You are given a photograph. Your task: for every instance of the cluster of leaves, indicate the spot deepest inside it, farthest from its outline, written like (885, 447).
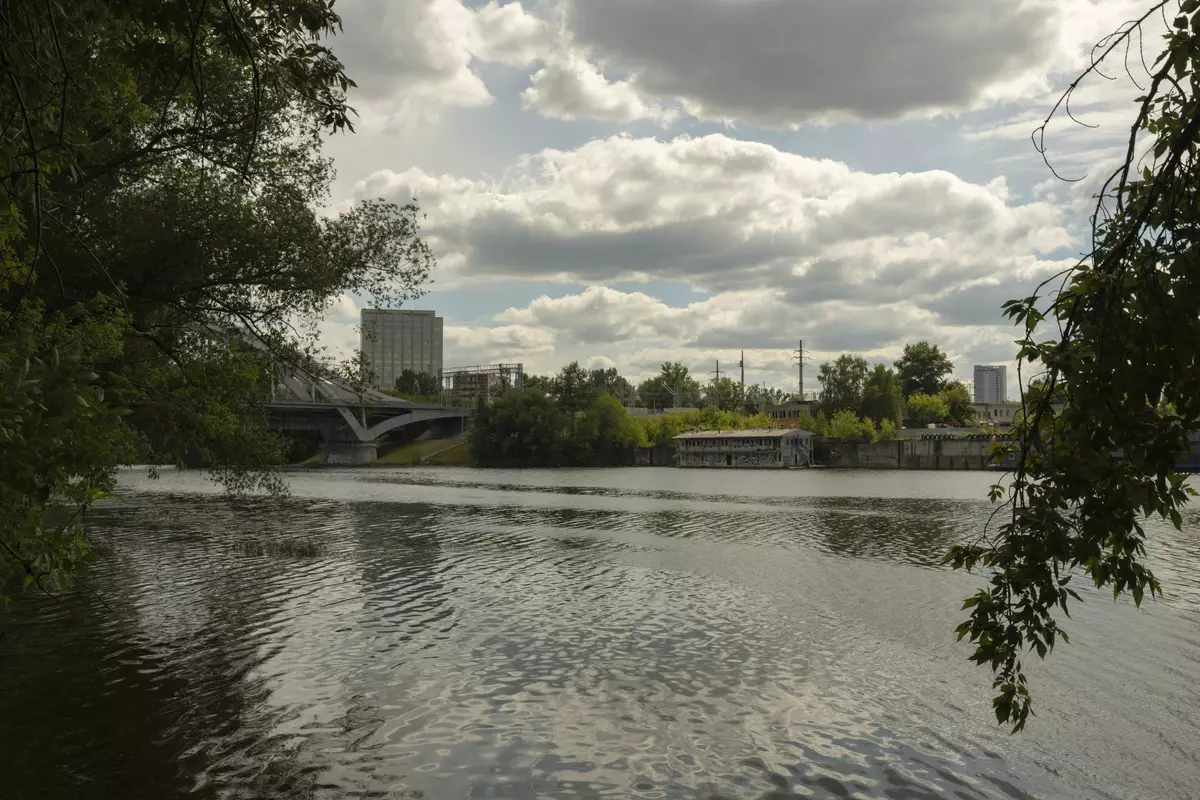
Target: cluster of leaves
(952, 404)
(845, 426)
(533, 429)
(673, 387)
(417, 386)
(161, 169)
(850, 383)
(1101, 431)
(924, 409)
(923, 368)
(538, 428)
(575, 386)
(661, 429)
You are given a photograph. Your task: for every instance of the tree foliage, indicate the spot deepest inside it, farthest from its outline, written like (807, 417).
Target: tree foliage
(1126, 337)
(842, 382)
(417, 385)
(815, 424)
(846, 426)
(606, 432)
(611, 382)
(520, 428)
(161, 170)
(759, 397)
(926, 409)
(572, 387)
(881, 395)
(724, 393)
(960, 408)
(923, 368)
(542, 383)
(673, 387)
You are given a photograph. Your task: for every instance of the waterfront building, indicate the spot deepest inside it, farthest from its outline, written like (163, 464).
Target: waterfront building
(786, 414)
(752, 448)
(395, 340)
(1002, 415)
(991, 384)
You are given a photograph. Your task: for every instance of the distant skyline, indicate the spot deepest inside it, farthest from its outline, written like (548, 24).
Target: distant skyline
(634, 181)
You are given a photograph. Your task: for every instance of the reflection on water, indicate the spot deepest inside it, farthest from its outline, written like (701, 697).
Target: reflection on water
(583, 633)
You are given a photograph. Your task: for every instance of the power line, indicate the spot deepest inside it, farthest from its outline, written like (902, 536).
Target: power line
(799, 359)
(717, 373)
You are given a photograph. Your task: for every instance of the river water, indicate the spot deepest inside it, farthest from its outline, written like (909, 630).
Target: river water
(651, 633)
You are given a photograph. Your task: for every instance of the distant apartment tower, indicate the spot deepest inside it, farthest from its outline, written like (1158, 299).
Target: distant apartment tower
(395, 340)
(991, 384)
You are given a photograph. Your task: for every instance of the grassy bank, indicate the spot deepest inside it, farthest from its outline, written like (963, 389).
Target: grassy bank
(434, 451)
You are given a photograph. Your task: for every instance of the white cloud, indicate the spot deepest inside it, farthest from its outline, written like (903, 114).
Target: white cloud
(728, 215)
(599, 362)
(781, 63)
(405, 56)
(603, 327)
(510, 35)
(476, 344)
(570, 87)
(780, 246)
(778, 63)
(413, 58)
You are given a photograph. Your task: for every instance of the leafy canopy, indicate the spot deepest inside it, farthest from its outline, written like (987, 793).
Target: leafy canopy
(881, 395)
(842, 382)
(162, 173)
(922, 368)
(925, 409)
(1095, 445)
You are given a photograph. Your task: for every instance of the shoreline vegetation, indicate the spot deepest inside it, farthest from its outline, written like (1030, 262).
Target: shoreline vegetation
(577, 419)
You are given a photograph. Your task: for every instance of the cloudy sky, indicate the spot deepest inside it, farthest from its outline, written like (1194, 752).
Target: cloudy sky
(624, 182)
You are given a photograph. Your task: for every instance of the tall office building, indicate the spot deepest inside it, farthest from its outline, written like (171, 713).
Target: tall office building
(991, 384)
(395, 340)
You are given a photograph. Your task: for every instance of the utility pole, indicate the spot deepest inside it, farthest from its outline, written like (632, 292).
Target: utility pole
(798, 354)
(742, 364)
(717, 372)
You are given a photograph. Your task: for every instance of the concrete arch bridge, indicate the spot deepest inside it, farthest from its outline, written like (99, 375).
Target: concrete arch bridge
(351, 423)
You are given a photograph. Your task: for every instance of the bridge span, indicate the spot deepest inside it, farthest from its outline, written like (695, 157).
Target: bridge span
(350, 422)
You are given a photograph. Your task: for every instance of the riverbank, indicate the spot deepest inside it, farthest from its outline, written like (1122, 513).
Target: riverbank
(454, 451)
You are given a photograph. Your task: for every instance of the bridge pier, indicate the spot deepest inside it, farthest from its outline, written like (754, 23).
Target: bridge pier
(348, 453)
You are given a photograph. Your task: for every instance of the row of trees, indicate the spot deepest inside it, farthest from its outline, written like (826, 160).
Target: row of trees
(878, 393)
(673, 387)
(533, 427)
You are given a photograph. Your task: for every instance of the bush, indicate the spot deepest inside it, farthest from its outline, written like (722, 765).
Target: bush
(925, 409)
(847, 427)
(887, 429)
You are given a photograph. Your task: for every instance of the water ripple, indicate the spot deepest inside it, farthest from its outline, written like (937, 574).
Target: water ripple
(572, 634)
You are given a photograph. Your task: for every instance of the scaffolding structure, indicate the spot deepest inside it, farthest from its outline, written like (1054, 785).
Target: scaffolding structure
(468, 385)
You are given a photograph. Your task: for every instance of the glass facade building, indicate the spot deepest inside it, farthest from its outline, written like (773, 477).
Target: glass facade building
(395, 340)
(991, 384)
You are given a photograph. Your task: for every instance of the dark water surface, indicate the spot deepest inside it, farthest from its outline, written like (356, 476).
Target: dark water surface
(577, 633)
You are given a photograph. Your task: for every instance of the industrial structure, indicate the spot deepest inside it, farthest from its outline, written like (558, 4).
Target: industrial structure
(760, 448)
(394, 340)
(991, 384)
(469, 385)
